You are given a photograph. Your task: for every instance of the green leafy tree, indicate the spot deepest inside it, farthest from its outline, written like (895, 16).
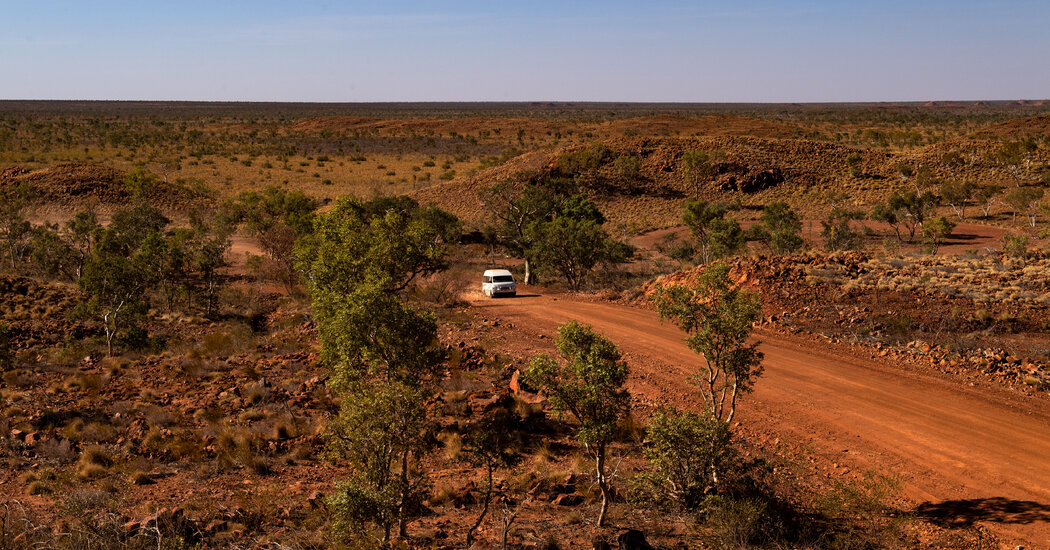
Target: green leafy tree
(131, 226)
(385, 357)
(627, 168)
(780, 228)
(513, 212)
(716, 235)
(1015, 246)
(384, 353)
(142, 184)
(853, 164)
(905, 212)
(937, 231)
(905, 171)
(725, 238)
(1015, 157)
(986, 195)
(718, 317)
(278, 219)
(51, 255)
(173, 267)
(953, 161)
(491, 444)
(258, 211)
(584, 162)
(209, 258)
(1025, 201)
(120, 273)
(924, 179)
(80, 233)
(383, 431)
(588, 385)
(369, 334)
(15, 229)
(574, 247)
(956, 195)
(698, 167)
(389, 242)
(837, 232)
(578, 207)
(688, 452)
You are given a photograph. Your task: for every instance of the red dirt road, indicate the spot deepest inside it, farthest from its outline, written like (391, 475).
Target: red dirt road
(977, 455)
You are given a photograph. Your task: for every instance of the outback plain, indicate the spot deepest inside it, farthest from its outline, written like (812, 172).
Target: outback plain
(261, 325)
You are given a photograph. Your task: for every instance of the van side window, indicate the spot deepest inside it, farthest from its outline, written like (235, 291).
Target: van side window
(486, 279)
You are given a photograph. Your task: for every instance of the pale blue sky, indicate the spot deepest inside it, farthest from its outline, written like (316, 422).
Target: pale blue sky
(746, 51)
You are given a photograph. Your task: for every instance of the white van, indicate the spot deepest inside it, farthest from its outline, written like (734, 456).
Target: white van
(498, 282)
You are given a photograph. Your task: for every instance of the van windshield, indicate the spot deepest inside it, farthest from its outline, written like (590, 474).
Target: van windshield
(503, 279)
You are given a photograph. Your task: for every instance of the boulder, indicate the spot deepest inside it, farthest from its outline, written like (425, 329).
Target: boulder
(633, 539)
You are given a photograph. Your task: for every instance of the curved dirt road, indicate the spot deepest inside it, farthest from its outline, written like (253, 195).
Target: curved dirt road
(968, 455)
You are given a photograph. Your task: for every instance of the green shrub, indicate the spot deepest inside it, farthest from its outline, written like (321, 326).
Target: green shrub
(689, 453)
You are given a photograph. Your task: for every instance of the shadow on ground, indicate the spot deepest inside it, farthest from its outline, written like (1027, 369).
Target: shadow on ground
(964, 513)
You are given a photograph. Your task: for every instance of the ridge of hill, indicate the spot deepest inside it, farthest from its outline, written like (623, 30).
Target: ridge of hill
(508, 127)
(1016, 128)
(76, 185)
(756, 170)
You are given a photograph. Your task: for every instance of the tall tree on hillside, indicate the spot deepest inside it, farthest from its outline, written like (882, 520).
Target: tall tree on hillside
(81, 233)
(14, 227)
(716, 235)
(1025, 201)
(1015, 157)
(986, 195)
(513, 212)
(907, 210)
(698, 167)
(957, 194)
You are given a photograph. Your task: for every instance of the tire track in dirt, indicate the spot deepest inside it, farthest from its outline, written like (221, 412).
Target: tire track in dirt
(944, 440)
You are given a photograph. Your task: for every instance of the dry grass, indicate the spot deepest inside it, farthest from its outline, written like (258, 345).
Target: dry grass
(453, 443)
(443, 494)
(94, 463)
(985, 279)
(139, 477)
(543, 455)
(38, 488)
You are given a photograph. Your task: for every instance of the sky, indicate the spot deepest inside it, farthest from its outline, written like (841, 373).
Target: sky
(511, 50)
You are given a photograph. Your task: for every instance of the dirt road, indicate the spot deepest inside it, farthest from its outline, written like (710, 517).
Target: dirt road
(967, 455)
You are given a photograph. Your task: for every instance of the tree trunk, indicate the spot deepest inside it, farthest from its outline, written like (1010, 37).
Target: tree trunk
(110, 330)
(732, 404)
(484, 508)
(402, 524)
(528, 273)
(602, 484)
